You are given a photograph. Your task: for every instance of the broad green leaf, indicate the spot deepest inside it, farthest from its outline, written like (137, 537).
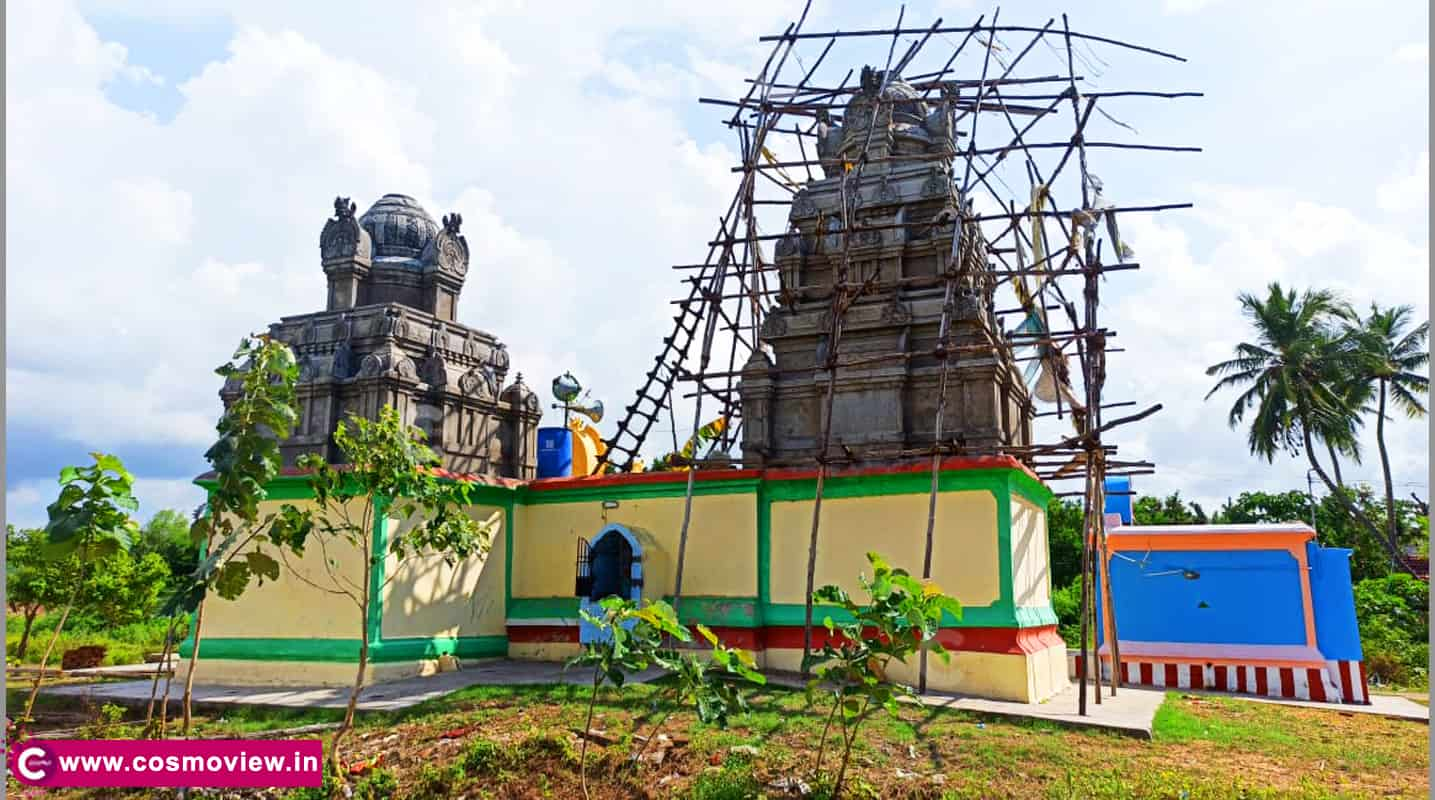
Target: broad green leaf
(707, 634)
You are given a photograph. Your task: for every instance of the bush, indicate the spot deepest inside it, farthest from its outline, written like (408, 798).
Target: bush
(1393, 612)
(1066, 602)
(484, 757)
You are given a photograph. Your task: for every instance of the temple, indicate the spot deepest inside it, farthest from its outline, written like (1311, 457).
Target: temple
(887, 388)
(388, 337)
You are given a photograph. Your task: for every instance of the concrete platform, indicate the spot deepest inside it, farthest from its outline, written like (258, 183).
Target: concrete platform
(1130, 713)
(1383, 705)
(389, 696)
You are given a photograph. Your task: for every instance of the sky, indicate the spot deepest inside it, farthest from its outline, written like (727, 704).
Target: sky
(169, 167)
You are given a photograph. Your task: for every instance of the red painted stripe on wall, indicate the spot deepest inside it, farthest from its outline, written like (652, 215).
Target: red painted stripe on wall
(1198, 676)
(1146, 676)
(1315, 679)
(531, 634)
(1173, 676)
(1220, 676)
(1364, 687)
(1287, 682)
(745, 638)
(1262, 683)
(1347, 687)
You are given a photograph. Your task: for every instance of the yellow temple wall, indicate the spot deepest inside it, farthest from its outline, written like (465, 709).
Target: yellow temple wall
(426, 597)
(721, 558)
(965, 556)
(291, 607)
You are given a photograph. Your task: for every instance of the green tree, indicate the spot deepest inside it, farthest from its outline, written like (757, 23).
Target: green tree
(633, 637)
(900, 619)
(245, 458)
(1169, 510)
(1394, 617)
(390, 471)
(89, 521)
(1064, 521)
(1296, 381)
(1251, 507)
(1334, 525)
(167, 535)
(124, 589)
(33, 581)
(1390, 355)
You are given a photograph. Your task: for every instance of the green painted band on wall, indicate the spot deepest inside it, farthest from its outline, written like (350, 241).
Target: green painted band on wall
(764, 546)
(543, 608)
(347, 650)
(378, 564)
(992, 616)
(727, 612)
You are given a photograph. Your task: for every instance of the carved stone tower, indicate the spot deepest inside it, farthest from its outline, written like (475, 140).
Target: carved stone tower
(388, 338)
(907, 225)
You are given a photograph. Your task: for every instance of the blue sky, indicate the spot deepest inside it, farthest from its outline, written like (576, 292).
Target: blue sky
(200, 144)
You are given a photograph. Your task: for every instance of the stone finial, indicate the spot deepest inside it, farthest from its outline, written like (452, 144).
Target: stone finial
(452, 223)
(344, 208)
(871, 81)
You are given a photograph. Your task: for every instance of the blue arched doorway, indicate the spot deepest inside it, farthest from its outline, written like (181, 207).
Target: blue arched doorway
(611, 564)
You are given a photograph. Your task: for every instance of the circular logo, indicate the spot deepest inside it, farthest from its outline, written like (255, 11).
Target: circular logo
(33, 763)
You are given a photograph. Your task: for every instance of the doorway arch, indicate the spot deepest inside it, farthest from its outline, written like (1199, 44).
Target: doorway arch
(614, 568)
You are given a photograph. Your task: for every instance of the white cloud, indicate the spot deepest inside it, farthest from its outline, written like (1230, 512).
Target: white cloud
(143, 250)
(26, 502)
(1187, 6)
(192, 232)
(1407, 192)
(1413, 53)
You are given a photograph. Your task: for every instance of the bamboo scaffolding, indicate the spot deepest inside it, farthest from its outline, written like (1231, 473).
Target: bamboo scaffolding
(1023, 240)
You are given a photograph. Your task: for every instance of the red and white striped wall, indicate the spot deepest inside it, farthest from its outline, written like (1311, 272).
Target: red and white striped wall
(1339, 681)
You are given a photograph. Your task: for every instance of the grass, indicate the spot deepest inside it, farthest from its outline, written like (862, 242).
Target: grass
(501, 742)
(124, 644)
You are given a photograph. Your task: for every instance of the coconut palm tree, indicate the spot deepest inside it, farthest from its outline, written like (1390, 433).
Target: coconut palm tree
(1389, 355)
(1298, 385)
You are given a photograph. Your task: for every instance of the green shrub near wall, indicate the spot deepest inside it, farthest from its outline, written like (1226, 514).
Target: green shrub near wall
(1394, 616)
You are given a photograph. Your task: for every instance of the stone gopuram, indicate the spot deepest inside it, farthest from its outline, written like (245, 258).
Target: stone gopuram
(388, 337)
(912, 215)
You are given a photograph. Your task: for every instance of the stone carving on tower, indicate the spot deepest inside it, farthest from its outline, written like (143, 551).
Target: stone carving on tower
(389, 337)
(906, 215)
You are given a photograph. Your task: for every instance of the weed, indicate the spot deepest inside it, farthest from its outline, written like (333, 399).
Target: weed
(322, 792)
(436, 783)
(380, 784)
(734, 781)
(106, 723)
(485, 757)
(551, 745)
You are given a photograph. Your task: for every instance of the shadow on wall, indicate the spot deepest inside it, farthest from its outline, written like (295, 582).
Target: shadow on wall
(427, 597)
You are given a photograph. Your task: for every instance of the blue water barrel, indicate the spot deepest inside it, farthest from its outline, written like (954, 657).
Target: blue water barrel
(555, 452)
(1118, 497)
